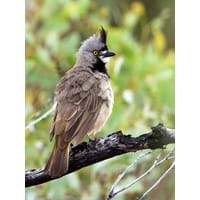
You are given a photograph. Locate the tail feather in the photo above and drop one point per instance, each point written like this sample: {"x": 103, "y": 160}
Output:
{"x": 58, "y": 162}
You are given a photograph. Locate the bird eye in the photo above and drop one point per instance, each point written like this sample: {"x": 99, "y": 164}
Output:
{"x": 95, "y": 52}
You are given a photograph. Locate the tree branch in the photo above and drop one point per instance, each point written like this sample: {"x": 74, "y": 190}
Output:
{"x": 100, "y": 149}
{"x": 112, "y": 193}
{"x": 40, "y": 118}
{"x": 158, "y": 181}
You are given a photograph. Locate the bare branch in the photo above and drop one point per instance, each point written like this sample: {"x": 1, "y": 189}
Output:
{"x": 156, "y": 163}
{"x": 40, "y": 118}
{"x": 100, "y": 149}
{"x": 158, "y": 181}
{"x": 125, "y": 171}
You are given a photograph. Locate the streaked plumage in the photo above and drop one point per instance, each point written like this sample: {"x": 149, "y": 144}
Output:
{"x": 84, "y": 102}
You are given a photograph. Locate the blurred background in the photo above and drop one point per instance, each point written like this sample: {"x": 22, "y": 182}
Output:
{"x": 142, "y": 74}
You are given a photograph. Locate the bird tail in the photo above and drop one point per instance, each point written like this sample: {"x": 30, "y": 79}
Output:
{"x": 58, "y": 162}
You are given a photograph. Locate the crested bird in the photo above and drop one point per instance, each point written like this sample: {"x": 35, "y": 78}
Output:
{"x": 84, "y": 101}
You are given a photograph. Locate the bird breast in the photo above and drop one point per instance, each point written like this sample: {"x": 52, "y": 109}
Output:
{"x": 106, "y": 94}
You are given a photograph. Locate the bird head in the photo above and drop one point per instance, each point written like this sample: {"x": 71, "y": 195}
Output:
{"x": 94, "y": 49}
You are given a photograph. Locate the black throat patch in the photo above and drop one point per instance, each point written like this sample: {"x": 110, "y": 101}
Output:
{"x": 100, "y": 67}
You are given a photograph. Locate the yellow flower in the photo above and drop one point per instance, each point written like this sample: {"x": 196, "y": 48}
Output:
{"x": 159, "y": 40}
{"x": 138, "y": 8}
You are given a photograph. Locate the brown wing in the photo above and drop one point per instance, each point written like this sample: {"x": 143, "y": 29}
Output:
{"x": 78, "y": 106}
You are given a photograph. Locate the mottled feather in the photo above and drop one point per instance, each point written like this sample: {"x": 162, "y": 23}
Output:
{"x": 84, "y": 103}
{"x": 77, "y": 104}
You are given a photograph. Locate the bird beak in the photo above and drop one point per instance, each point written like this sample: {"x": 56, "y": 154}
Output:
{"x": 107, "y": 53}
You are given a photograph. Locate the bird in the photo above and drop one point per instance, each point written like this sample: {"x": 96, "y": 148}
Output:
{"x": 84, "y": 101}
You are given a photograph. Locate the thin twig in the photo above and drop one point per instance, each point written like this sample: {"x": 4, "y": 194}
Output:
{"x": 155, "y": 164}
{"x": 126, "y": 170}
{"x": 167, "y": 157}
{"x": 40, "y": 118}
{"x": 158, "y": 181}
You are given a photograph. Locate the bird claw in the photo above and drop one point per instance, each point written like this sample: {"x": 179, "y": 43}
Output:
{"x": 71, "y": 145}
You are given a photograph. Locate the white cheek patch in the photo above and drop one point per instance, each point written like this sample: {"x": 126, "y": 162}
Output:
{"x": 104, "y": 59}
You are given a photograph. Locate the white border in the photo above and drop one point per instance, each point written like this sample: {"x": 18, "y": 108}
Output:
{"x": 187, "y": 99}
{"x": 12, "y": 99}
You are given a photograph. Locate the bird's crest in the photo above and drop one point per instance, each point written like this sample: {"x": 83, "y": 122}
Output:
{"x": 103, "y": 35}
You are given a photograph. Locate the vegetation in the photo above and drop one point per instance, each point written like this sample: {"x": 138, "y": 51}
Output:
{"x": 142, "y": 76}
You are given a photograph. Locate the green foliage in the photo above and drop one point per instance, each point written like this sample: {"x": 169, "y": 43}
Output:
{"x": 142, "y": 75}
